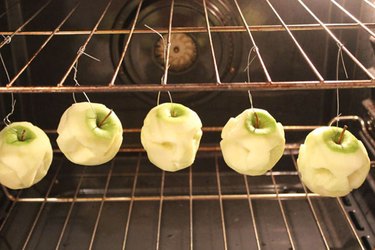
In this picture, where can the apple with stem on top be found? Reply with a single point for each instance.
(253, 142)
(171, 135)
(332, 161)
(89, 134)
(25, 155)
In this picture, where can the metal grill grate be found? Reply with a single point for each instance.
(138, 201)
(110, 85)
(129, 204)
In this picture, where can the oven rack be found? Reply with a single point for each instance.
(16, 85)
(104, 196)
(130, 180)
(200, 188)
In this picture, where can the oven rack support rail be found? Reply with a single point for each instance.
(15, 85)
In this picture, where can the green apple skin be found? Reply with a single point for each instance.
(24, 159)
(171, 134)
(81, 139)
(331, 169)
(249, 150)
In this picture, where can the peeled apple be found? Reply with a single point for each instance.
(25, 155)
(253, 142)
(330, 168)
(89, 134)
(171, 135)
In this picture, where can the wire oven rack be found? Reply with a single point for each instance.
(268, 84)
(136, 206)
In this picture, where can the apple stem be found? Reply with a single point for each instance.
(342, 134)
(105, 118)
(256, 120)
(22, 137)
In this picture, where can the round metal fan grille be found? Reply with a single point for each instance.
(182, 55)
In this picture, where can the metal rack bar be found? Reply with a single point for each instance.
(8, 38)
(67, 218)
(311, 206)
(131, 204)
(252, 212)
(353, 18)
(83, 47)
(263, 196)
(168, 49)
(211, 43)
(300, 49)
(36, 219)
(214, 29)
(355, 60)
(370, 3)
(199, 87)
(10, 209)
(101, 205)
(172, 197)
(275, 173)
(282, 212)
(160, 210)
(180, 174)
(112, 82)
(253, 42)
(144, 174)
(351, 226)
(190, 209)
(219, 128)
(222, 217)
(200, 149)
(43, 45)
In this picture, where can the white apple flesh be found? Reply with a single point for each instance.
(329, 167)
(171, 135)
(89, 134)
(25, 155)
(253, 142)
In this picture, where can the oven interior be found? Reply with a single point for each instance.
(300, 53)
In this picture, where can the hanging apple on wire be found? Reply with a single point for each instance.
(89, 134)
(253, 142)
(332, 161)
(25, 155)
(171, 134)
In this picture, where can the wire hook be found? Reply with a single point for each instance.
(6, 119)
(339, 56)
(164, 61)
(7, 39)
(81, 51)
(247, 69)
